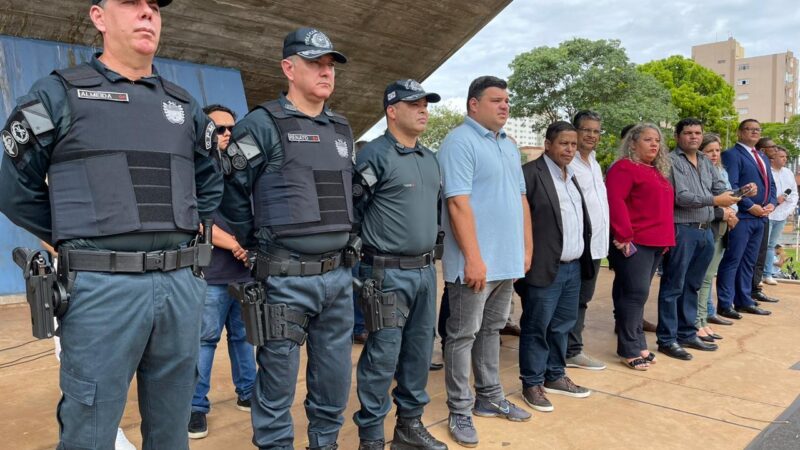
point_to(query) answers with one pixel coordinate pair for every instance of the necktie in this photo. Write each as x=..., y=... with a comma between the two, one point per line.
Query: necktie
x=763, y=174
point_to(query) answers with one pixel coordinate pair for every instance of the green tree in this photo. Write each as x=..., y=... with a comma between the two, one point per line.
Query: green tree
x=696, y=92
x=785, y=134
x=553, y=83
x=441, y=120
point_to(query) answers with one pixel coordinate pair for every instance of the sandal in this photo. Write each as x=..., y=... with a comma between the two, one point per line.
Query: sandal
x=636, y=364
x=650, y=358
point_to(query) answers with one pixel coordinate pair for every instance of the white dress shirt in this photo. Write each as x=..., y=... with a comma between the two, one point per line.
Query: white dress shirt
x=569, y=199
x=590, y=179
x=784, y=179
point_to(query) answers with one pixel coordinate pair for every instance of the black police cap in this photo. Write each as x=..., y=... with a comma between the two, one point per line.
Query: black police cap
x=161, y=3
x=310, y=43
x=406, y=91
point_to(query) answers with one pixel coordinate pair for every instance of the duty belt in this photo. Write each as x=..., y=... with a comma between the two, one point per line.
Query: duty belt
x=128, y=262
x=369, y=254
x=282, y=262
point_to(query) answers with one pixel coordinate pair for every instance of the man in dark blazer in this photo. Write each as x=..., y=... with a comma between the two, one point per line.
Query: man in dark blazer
x=561, y=257
x=745, y=165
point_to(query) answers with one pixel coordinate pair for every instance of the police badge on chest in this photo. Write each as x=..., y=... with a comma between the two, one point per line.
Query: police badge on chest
x=173, y=112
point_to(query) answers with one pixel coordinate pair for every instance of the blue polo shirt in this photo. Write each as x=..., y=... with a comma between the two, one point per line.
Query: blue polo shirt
x=486, y=167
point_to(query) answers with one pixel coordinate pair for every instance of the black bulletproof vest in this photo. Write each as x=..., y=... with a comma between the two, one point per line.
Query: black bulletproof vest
x=312, y=192
x=127, y=162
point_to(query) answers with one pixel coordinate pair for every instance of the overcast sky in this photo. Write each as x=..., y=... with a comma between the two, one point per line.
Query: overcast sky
x=648, y=30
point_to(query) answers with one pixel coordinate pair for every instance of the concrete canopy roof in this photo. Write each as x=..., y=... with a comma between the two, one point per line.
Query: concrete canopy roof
x=383, y=39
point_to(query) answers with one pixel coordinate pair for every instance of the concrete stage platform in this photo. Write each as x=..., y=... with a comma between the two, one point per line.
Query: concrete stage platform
x=719, y=400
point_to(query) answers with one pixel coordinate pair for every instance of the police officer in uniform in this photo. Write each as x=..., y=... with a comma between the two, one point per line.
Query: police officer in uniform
x=294, y=156
x=397, y=190
x=126, y=156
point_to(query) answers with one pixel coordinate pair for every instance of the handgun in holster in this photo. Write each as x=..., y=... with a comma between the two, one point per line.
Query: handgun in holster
x=46, y=294
x=204, y=248
x=252, y=295
x=380, y=309
x=352, y=251
x=438, y=248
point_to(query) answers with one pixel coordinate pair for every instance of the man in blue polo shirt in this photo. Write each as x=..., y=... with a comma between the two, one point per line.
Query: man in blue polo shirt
x=487, y=245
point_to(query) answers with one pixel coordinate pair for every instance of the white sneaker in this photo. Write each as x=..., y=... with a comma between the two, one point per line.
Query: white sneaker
x=122, y=442
x=770, y=281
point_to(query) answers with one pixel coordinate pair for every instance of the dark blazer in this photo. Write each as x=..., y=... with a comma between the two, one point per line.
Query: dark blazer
x=548, y=231
x=742, y=169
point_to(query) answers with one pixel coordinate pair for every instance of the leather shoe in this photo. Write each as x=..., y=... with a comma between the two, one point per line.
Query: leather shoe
x=762, y=297
x=753, y=310
x=729, y=313
x=648, y=326
x=706, y=338
x=697, y=344
x=674, y=350
x=717, y=320
x=511, y=330
x=436, y=366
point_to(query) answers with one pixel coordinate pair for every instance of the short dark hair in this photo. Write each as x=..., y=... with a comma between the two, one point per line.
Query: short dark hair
x=557, y=127
x=625, y=130
x=762, y=142
x=480, y=84
x=687, y=122
x=780, y=148
x=217, y=107
x=744, y=122
x=585, y=114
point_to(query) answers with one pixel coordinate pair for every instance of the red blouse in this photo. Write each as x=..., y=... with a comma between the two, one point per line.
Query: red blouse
x=640, y=202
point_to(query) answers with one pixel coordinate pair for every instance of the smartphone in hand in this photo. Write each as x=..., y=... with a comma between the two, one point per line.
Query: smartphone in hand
x=630, y=250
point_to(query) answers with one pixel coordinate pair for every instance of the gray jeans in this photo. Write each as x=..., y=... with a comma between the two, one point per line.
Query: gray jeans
x=473, y=341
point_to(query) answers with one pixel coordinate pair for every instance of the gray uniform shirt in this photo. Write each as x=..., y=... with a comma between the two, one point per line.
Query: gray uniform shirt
x=695, y=187
x=397, y=206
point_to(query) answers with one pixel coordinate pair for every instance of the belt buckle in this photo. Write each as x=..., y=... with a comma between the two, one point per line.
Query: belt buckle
x=328, y=264
x=153, y=261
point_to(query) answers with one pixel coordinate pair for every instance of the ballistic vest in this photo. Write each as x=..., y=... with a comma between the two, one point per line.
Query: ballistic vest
x=312, y=191
x=127, y=162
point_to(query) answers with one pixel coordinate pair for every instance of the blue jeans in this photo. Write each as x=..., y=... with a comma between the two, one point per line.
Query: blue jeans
x=399, y=353
x=548, y=315
x=775, y=229
x=685, y=267
x=358, y=317
x=223, y=310
x=119, y=325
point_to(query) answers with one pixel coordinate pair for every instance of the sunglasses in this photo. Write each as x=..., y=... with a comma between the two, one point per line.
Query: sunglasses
x=222, y=129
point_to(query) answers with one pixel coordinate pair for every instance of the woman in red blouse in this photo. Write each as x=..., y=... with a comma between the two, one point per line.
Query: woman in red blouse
x=640, y=201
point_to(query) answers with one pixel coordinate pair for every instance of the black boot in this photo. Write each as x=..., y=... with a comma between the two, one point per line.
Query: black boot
x=411, y=434
x=371, y=445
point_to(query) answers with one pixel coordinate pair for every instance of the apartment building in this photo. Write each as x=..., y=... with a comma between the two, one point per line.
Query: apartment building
x=766, y=86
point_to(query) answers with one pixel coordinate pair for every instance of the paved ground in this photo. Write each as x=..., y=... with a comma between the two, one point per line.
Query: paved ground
x=720, y=400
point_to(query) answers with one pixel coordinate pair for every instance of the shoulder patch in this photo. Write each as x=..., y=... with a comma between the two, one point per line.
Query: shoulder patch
x=16, y=137
x=367, y=174
x=37, y=117
x=247, y=145
x=208, y=135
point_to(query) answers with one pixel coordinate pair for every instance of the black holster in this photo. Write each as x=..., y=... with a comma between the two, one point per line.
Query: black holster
x=204, y=248
x=438, y=248
x=46, y=295
x=352, y=251
x=380, y=309
x=264, y=322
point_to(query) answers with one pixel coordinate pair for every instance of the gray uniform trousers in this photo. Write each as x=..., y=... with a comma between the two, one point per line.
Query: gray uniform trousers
x=327, y=298
x=118, y=325
x=397, y=353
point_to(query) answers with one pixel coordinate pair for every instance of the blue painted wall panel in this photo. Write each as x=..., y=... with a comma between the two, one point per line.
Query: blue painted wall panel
x=23, y=61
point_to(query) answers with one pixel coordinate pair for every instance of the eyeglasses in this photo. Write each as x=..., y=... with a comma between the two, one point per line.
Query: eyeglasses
x=221, y=129
x=591, y=131
x=752, y=130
